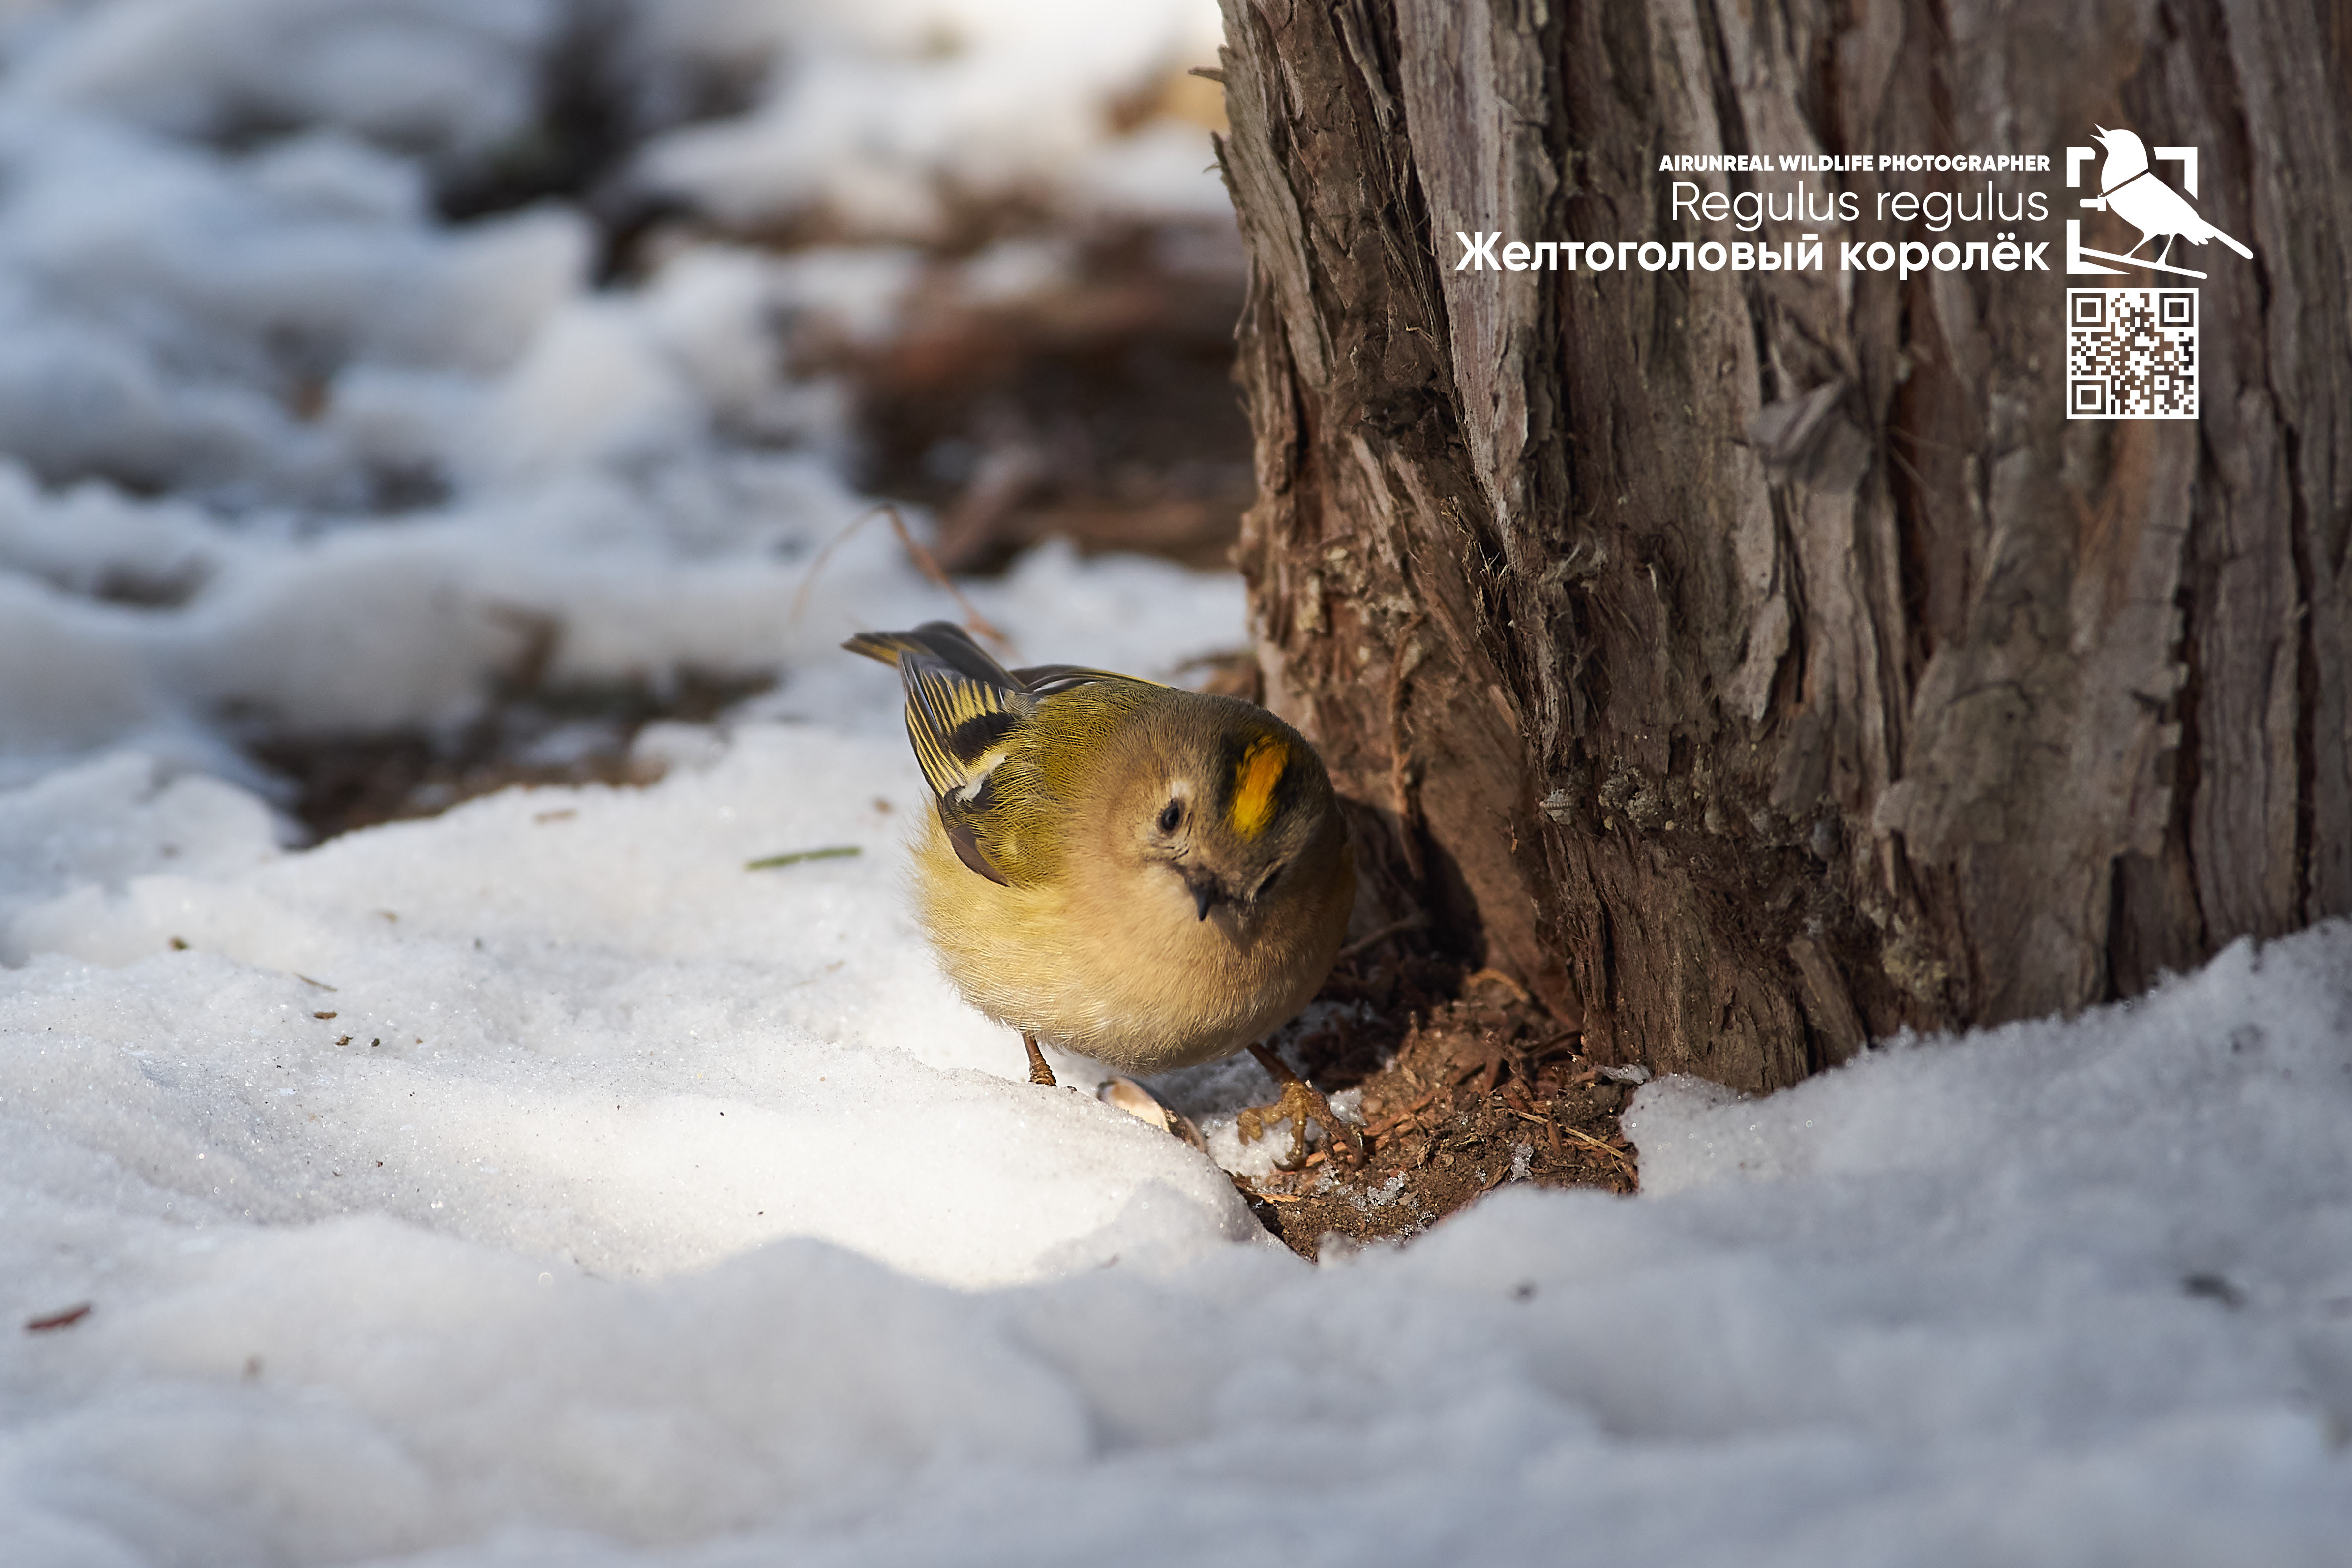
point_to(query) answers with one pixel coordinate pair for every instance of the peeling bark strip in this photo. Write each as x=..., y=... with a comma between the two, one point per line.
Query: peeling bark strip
x=1754, y=663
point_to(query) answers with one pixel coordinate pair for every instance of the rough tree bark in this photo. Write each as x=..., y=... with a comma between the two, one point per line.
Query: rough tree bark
x=1756, y=663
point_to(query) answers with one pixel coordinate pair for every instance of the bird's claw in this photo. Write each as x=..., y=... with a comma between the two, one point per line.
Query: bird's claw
x=1300, y=1103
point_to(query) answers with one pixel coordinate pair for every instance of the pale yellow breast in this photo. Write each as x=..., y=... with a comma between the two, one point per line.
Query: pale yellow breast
x=1116, y=963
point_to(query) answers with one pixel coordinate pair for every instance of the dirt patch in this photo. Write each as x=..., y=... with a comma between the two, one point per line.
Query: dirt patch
x=528, y=736
x=1098, y=405
x=1468, y=1084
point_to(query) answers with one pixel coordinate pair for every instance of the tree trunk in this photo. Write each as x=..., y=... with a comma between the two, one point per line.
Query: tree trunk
x=1758, y=662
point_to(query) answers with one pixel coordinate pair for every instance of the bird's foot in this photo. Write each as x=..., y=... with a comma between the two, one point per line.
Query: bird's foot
x=1039, y=1073
x=1300, y=1103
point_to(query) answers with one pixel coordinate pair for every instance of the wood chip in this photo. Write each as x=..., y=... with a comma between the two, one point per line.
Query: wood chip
x=1497, y=977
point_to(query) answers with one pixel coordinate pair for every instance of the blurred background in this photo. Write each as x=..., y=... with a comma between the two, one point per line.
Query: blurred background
x=405, y=398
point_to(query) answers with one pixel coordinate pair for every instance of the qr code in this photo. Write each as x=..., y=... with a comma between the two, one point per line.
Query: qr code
x=2131, y=353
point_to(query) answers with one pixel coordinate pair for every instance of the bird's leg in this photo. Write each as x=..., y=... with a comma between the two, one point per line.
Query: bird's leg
x=1039, y=1073
x=1300, y=1101
x=2168, y=248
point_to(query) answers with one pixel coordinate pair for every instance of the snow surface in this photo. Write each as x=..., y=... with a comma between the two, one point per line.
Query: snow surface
x=540, y=1185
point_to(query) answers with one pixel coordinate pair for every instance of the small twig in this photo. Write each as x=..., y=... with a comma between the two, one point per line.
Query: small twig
x=1413, y=922
x=307, y=980
x=831, y=852
x=1207, y=73
x=923, y=563
x=932, y=569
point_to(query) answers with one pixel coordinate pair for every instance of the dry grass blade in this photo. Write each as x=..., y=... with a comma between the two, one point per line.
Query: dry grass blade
x=1611, y=1149
x=972, y=619
x=831, y=852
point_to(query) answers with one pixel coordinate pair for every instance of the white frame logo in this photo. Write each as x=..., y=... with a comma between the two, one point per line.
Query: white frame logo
x=2130, y=187
x=2132, y=354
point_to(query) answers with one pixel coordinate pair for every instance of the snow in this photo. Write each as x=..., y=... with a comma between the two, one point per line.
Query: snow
x=539, y=1183
x=885, y=112
x=2066, y=1292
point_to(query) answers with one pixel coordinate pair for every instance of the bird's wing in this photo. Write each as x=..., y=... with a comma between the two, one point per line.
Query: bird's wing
x=1051, y=680
x=962, y=728
x=966, y=716
x=1013, y=821
x=1004, y=750
x=961, y=705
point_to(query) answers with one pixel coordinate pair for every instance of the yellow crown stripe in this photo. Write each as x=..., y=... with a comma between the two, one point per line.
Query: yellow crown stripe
x=1260, y=771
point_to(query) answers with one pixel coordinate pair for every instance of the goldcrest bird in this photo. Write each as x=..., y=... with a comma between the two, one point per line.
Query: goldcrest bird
x=1151, y=877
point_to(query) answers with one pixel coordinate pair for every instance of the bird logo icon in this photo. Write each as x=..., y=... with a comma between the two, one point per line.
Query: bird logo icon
x=2131, y=189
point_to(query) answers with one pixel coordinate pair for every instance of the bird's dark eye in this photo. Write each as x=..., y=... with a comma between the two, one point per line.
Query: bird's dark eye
x=1270, y=879
x=1169, y=815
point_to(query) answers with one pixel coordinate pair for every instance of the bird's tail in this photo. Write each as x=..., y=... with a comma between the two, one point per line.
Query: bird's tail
x=2232, y=244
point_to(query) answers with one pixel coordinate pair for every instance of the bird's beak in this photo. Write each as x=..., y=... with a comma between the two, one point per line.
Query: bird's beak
x=1207, y=892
